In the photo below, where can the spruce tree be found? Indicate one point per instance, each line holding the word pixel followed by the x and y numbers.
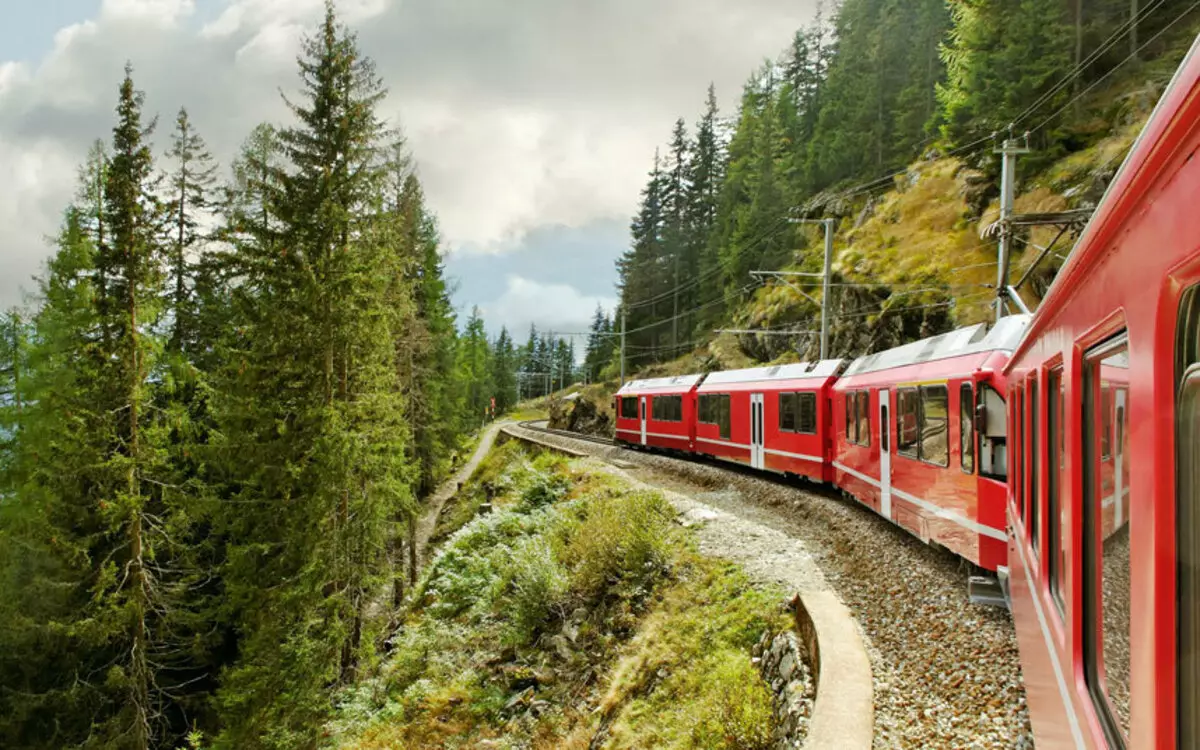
pixel 503 375
pixel 190 184
pixel 312 413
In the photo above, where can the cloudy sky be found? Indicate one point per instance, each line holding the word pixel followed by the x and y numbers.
pixel 533 122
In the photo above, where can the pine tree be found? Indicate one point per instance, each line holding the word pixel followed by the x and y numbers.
pixel 190 184
pixel 503 374
pixel 312 413
pixel 475 368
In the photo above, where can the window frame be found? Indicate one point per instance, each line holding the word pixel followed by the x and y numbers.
pixel 966 427
pixel 809 397
pixel 1031 466
pixel 1187 517
pixel 921 423
pixel 1057 575
pixel 863 411
pixel 905 394
pixel 788 406
pixel 671 409
pixel 1092 577
pixel 629 400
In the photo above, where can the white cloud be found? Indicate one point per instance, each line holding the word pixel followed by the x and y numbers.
pixel 521 115
pixel 551 307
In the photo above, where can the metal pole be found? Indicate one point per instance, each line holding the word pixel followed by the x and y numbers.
pixel 622 345
pixel 829 226
pixel 1008 180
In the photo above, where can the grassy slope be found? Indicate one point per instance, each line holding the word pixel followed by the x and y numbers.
pixel 575 605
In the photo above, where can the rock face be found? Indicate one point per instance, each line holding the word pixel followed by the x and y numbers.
pixel 580 415
pixel 781 663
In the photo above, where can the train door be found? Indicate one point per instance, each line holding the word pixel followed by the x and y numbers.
pixel 643 420
pixel 885 455
pixel 756 430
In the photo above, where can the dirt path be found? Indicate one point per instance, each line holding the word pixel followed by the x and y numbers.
pixel 428 521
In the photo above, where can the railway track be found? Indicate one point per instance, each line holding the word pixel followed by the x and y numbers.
pixel 537 426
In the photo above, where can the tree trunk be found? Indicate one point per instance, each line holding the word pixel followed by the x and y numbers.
pixel 412 549
pixel 139 666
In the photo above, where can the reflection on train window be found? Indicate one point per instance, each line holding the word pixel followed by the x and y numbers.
pixel 1106 539
pixel 966 419
pixel 851 423
pixel 806 421
pixel 1018 483
pixel 1187 516
pixel 787 412
pixel 1032 491
pixel 667 408
pixel 864 418
pixel 935 425
pixel 1057 526
pixel 629 409
pixel 907 422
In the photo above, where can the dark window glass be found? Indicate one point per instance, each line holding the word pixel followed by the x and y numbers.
pixel 864 418
pixel 629 407
pixel 723 415
pixel 935 425
pixel 1106 543
pixel 787 412
pixel 667 408
pixel 1018 483
pixel 966 419
pixel 1187 517
pixel 806 421
pixel 1057 523
pixel 907 425
pixel 851 421
pixel 1031 466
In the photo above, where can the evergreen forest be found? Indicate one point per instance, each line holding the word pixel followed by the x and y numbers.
pixel 218 420
pixel 867 101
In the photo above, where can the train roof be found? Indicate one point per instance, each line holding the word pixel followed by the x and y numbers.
pixel 825 368
pixel 1003 336
pixel 674 383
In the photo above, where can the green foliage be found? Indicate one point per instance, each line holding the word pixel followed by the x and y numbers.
pixel 739 711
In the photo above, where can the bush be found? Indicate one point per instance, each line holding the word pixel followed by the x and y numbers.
pixel 537 586
pixel 622 540
pixel 542 489
pixel 739 712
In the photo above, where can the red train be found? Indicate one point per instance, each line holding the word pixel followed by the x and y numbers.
pixel 836 422
pixel 1062 450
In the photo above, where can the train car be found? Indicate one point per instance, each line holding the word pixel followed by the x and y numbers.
pixel 771 418
pixel 1104 496
pixel 906 442
pixel 658 412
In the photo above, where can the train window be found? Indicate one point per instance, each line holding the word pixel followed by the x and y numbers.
pixel 787 412
pixel 906 422
pixel 1106 544
pixel 1106 424
pixel 1057 526
pixel 723 415
pixel 806 420
pixel 935 425
pixel 1032 491
pixel 991 429
pixel 966 427
pixel 1018 485
pixel 667 408
pixel 705 408
pixel 1187 517
pixel 850 421
pixel 864 417
pixel 629 407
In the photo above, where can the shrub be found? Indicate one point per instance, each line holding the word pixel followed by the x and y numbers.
pixel 626 539
pixel 536 585
pixel 739 711
pixel 542 489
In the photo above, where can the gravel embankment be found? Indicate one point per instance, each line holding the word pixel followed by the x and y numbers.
pixel 947 673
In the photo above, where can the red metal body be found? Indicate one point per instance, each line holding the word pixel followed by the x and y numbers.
pixel 899 439
pixel 649 426
pixel 801 449
pixel 1100 655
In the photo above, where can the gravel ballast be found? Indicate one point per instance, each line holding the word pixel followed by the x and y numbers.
pixel 947 672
